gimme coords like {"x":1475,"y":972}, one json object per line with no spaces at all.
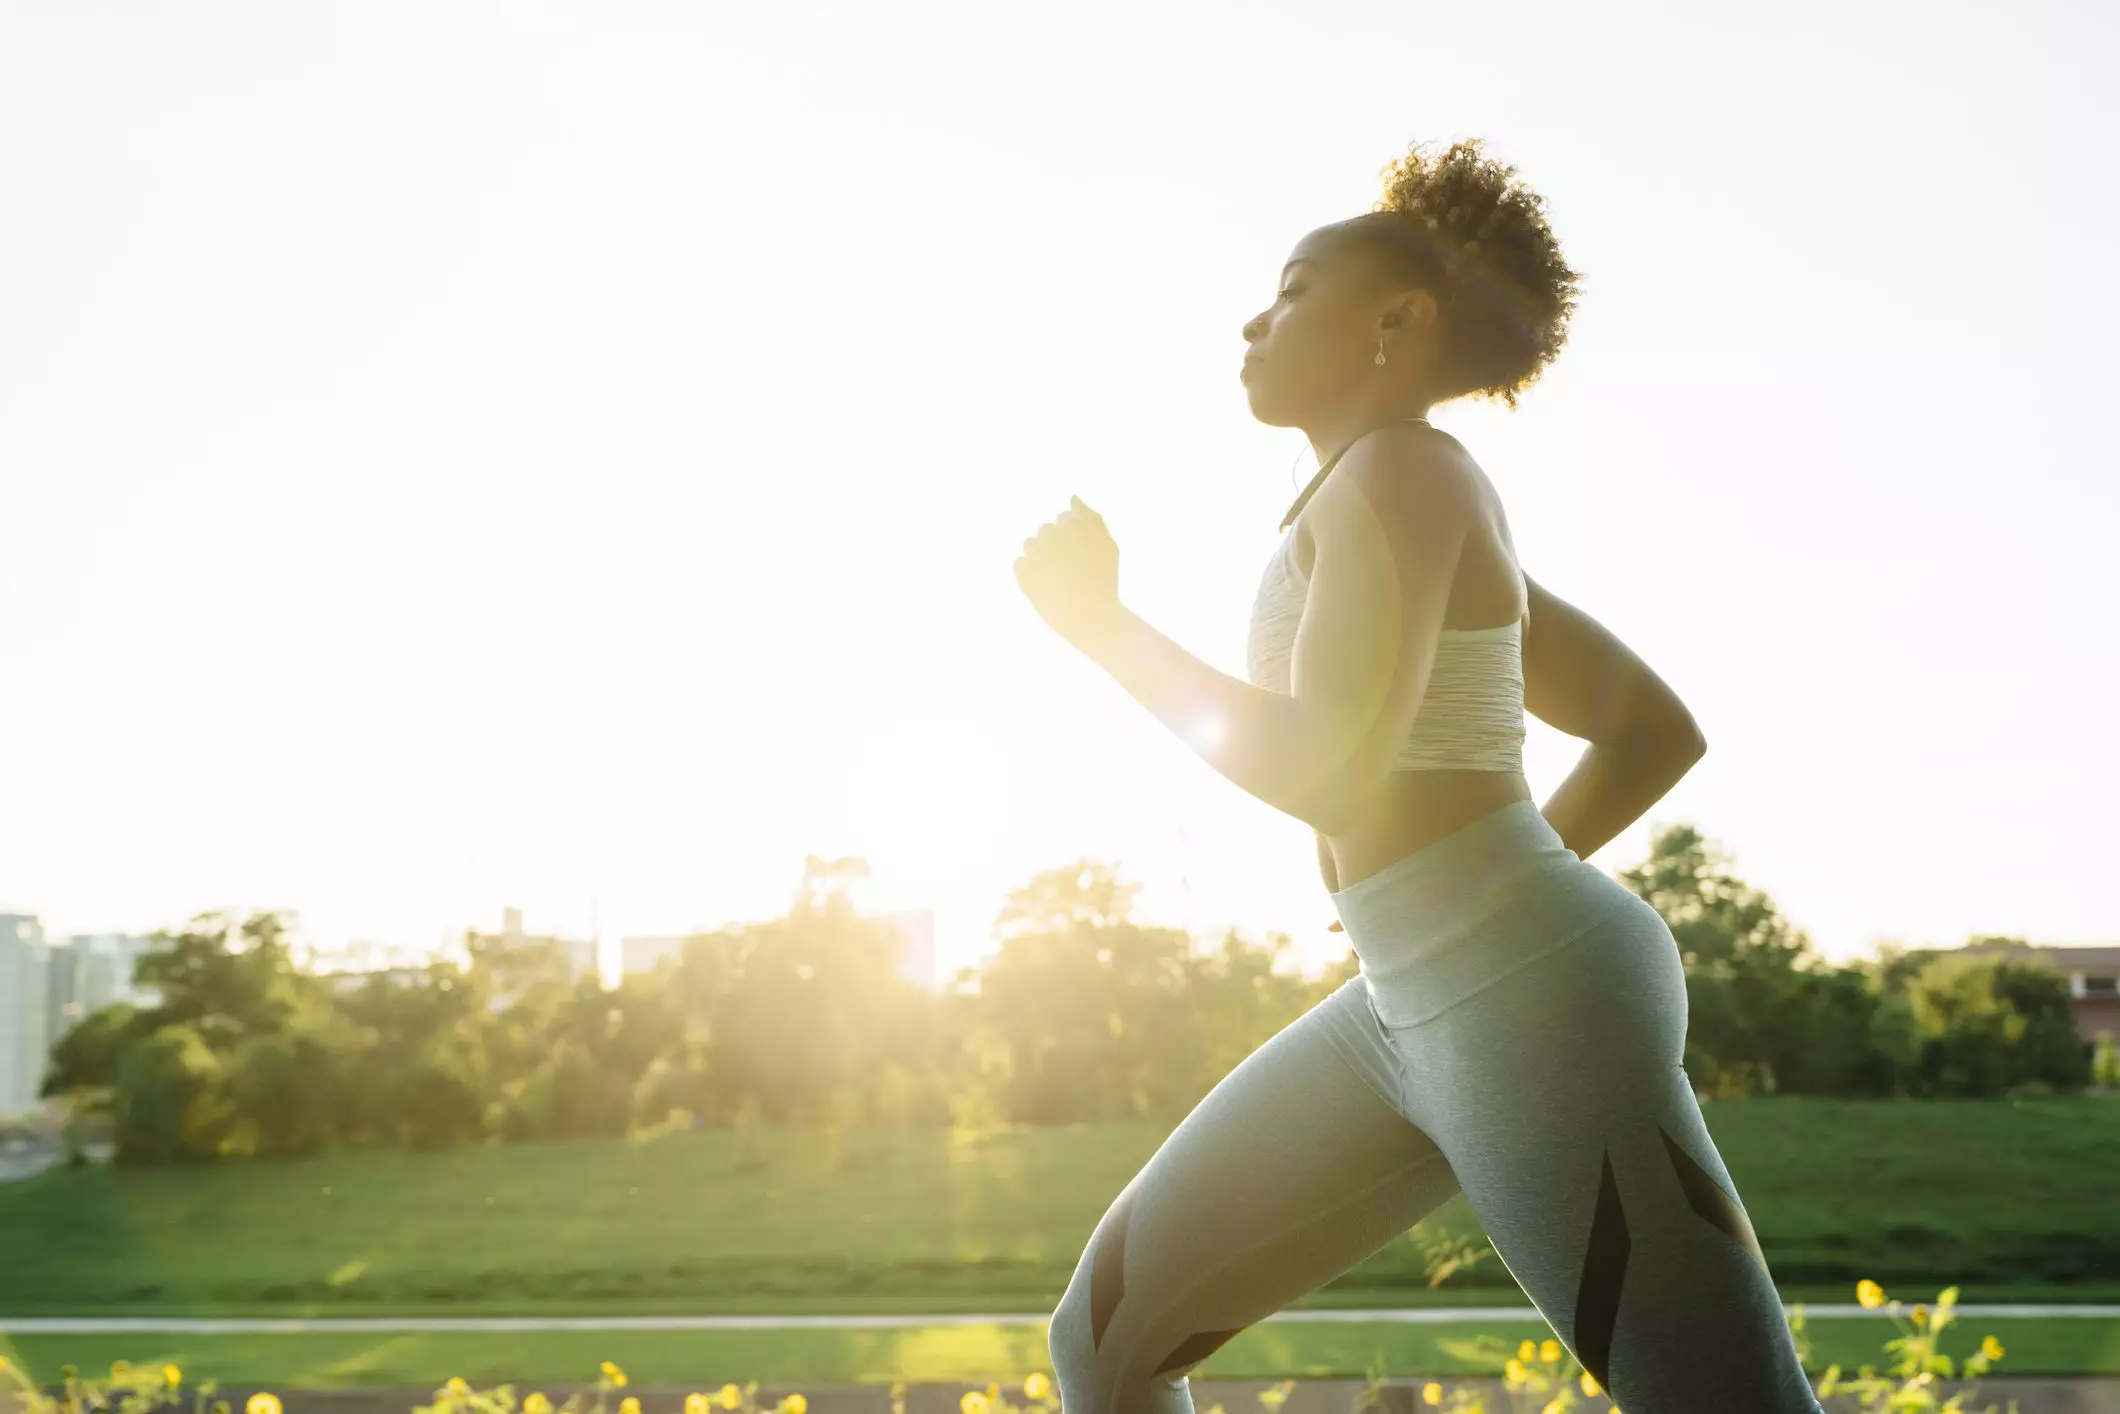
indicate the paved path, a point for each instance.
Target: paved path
{"x":267,"y":1325}
{"x":17,"y":1164}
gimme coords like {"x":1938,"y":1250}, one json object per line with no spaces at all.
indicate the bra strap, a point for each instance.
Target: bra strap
{"x":1333,"y":461}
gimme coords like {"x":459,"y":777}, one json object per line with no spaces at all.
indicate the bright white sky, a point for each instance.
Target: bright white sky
{"x":463,"y":456}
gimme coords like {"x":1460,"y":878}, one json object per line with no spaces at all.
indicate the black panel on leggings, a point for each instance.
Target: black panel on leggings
{"x":1195,"y":1348}
{"x":1604,"y":1269}
{"x":1709,"y":1200}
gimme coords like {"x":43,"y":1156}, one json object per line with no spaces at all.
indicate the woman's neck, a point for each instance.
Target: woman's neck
{"x":1331,"y":436}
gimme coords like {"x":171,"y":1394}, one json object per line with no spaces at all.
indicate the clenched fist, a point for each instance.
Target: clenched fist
{"x":1069,"y":571}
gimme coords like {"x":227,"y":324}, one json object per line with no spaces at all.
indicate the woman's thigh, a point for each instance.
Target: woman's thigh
{"x":1559,"y":1097}
{"x":1291,"y":1170}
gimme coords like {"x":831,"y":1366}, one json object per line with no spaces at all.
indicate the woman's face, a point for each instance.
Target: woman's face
{"x":1317,"y":341}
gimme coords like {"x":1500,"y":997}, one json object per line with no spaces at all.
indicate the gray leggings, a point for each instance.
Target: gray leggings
{"x":1515,"y":1031}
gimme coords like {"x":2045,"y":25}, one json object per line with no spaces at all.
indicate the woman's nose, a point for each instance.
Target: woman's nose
{"x":1253,"y":328}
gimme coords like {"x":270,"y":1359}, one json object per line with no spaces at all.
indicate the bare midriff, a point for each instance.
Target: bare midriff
{"x":1412,"y":809}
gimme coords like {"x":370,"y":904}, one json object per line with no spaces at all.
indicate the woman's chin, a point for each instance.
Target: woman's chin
{"x":1264,"y":410}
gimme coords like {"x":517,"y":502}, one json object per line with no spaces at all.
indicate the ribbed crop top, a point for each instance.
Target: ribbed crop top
{"x":1472,"y":715}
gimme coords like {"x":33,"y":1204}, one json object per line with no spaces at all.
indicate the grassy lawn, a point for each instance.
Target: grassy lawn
{"x":2012,"y":1200}
{"x":1273,"y":1350}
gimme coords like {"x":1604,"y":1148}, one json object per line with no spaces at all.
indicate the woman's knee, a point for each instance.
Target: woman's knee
{"x":1081,"y":1361}
{"x":1067,"y":1335}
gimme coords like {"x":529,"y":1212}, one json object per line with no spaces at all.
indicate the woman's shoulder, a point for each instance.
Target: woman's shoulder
{"x":1414,"y":467}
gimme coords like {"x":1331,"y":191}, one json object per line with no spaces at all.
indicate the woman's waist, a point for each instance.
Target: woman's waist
{"x":1412,"y":810}
{"x":1504,"y":874}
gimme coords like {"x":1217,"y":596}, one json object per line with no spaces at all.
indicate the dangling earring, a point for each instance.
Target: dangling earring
{"x":1380,"y":350}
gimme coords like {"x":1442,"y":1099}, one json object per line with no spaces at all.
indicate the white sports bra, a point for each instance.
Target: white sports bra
{"x":1472,"y":716}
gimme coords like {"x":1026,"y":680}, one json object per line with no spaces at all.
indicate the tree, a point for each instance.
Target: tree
{"x":171,"y":1101}
{"x":572,"y":1094}
{"x":2105,"y":1062}
{"x":287,"y":1090}
{"x":1740,"y":955}
{"x":1085,"y":1014}
{"x":1087,"y":892}
{"x":84,"y":1064}
{"x":1991,"y":1025}
{"x":225,"y":991}
{"x":441,"y":1097}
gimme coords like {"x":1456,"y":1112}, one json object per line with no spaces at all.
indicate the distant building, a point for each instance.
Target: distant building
{"x":25,"y":1012}
{"x":523,"y":960}
{"x":644,"y":953}
{"x":2093,"y":987}
{"x":90,"y":971}
{"x":579,"y":953}
{"x":354,"y":980}
{"x":916,"y":961}
{"x":2093,"y":975}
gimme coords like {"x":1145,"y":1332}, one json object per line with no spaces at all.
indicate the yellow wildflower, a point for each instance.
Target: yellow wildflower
{"x":537,"y":1403}
{"x":1991,"y":1347}
{"x":973,"y":1402}
{"x":1549,"y":1351}
{"x":610,"y":1370}
{"x":118,"y":1369}
{"x":797,"y":1404}
{"x":457,"y":1388}
{"x":262,"y":1402}
{"x":1921,"y":1316}
{"x":629,"y":1405}
{"x":1588,"y":1383}
{"x":1869,"y":1293}
{"x":1553,"y":1406}
{"x":1527,"y":1352}
{"x":1431,"y":1393}
{"x":172,"y":1376}
{"x":697,"y":1404}
{"x":1037,"y":1386}
{"x":731,"y":1396}
{"x":1514,"y":1371}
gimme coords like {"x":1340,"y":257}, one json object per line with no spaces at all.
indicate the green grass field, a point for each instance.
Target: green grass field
{"x":2012,"y":1200}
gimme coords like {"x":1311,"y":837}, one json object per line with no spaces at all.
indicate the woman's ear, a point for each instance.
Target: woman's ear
{"x":1417,"y":310}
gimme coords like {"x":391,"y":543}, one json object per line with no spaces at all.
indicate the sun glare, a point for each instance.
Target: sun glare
{"x":1207,"y":733}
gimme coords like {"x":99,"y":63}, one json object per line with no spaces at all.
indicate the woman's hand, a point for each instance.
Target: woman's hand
{"x":1069,"y":571}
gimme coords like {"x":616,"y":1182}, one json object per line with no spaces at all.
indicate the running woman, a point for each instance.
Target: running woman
{"x":1516,"y":1027}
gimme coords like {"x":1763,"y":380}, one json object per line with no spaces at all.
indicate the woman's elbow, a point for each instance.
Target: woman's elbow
{"x":1670,"y":734}
{"x":1683,"y":740}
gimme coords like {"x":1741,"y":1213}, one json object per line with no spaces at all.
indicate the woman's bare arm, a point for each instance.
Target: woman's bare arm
{"x":1579,"y":678}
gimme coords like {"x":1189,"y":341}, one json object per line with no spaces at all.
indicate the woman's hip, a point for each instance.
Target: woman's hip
{"x":1487,"y":901}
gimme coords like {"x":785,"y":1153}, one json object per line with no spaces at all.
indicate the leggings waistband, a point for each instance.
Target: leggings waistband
{"x":1461,"y":912}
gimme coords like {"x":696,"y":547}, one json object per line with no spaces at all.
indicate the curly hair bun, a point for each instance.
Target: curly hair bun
{"x":1461,"y":222}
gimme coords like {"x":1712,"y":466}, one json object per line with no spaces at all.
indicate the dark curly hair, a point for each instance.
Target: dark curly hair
{"x":1461,"y":225}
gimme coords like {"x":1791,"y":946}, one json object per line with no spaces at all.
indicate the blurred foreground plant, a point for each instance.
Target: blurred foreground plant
{"x":1540,"y":1377}
{"x":1909,"y":1383}
{"x":130,"y":1389}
